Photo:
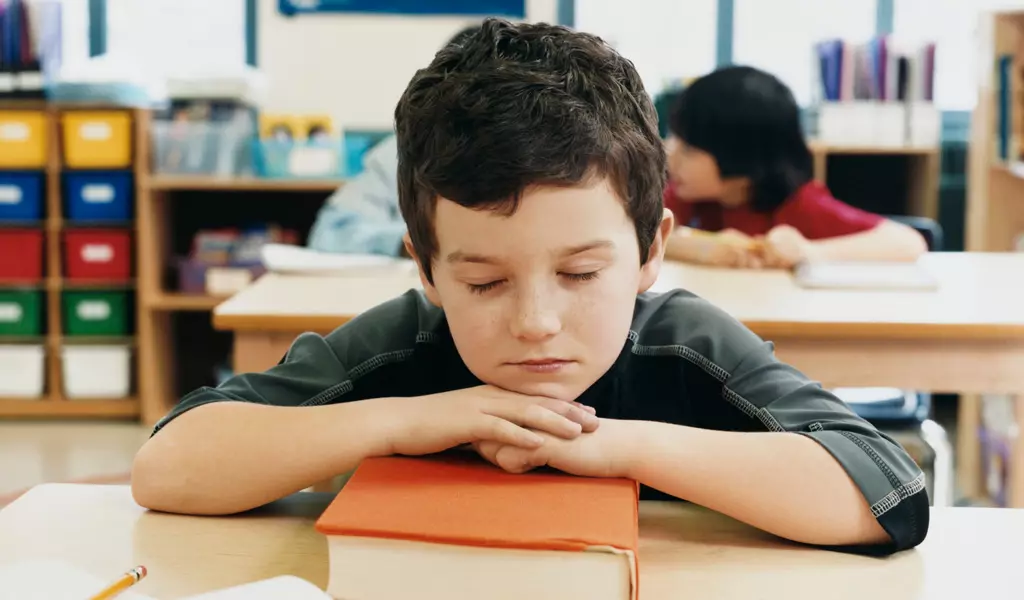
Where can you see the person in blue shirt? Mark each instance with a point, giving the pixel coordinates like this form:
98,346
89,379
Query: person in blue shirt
362,216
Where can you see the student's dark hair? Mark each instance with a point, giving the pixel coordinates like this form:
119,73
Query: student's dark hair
463,34
749,122
517,105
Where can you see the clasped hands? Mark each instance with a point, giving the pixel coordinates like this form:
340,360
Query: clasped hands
781,248
513,431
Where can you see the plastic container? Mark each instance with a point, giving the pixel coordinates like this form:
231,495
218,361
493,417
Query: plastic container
21,312
97,139
221,149
100,371
95,313
98,196
21,196
21,370
92,254
308,160
21,255
22,139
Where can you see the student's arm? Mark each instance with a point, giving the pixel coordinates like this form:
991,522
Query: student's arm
261,436
362,217
728,248
885,242
810,470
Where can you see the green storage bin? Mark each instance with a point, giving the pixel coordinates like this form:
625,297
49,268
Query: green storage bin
96,313
21,312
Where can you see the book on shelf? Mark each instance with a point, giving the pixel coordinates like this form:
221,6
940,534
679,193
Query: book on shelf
456,527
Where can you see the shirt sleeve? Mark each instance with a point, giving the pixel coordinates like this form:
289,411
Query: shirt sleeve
362,217
783,399
818,215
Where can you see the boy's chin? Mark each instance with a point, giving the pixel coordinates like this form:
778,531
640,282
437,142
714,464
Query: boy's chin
568,391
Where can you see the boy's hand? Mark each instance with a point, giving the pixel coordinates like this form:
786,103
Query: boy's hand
785,247
605,452
434,423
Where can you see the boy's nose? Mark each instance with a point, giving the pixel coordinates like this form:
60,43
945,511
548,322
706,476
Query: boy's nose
535,320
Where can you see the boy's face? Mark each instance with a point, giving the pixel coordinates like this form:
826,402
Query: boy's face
693,173
541,302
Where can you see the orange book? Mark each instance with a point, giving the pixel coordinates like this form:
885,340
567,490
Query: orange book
453,526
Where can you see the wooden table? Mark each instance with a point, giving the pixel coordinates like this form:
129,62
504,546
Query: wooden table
685,551
967,337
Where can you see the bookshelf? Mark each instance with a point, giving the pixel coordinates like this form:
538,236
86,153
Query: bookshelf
57,281
995,192
178,348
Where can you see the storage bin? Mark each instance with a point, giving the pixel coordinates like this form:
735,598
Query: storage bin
100,371
223,149
22,139
97,139
97,254
21,312
283,159
21,370
21,255
21,196
95,313
98,196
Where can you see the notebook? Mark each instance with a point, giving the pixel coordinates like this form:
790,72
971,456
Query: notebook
454,527
865,276
58,580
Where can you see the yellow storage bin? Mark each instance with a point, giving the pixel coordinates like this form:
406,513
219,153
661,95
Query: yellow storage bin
97,140
22,139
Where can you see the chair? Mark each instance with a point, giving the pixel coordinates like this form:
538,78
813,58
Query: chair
904,414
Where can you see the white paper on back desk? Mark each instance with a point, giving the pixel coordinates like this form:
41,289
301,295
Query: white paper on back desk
285,258
58,580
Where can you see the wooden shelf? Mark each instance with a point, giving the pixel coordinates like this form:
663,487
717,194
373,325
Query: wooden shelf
60,408
176,301
56,284
246,184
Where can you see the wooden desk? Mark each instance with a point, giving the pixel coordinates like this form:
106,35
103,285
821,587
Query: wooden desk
967,337
685,551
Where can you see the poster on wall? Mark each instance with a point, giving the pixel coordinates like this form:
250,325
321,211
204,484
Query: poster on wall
499,8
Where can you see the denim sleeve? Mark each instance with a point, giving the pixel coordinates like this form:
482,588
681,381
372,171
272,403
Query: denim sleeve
362,217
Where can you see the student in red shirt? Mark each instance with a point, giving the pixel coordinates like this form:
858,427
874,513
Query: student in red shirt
739,166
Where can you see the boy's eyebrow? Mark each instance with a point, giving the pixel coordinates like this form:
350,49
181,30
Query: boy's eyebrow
466,257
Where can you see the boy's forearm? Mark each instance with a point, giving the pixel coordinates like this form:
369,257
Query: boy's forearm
889,241
783,483
227,457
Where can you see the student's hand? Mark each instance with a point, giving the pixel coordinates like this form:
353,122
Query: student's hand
785,247
732,248
603,453
434,423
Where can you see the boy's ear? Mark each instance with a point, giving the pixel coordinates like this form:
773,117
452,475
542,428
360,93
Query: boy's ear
428,288
656,255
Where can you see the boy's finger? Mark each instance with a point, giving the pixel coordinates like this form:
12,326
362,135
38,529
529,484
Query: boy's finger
551,418
573,412
492,428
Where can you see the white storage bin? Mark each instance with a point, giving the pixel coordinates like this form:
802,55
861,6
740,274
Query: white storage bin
96,371
21,371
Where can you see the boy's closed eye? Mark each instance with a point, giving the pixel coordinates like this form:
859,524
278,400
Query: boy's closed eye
482,288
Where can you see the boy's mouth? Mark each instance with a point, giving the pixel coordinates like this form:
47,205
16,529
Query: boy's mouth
543,365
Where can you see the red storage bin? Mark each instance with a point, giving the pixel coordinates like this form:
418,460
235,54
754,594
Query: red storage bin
97,254
21,255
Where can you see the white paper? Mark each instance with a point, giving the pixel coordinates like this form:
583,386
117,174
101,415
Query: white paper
58,580
284,258
54,580
865,276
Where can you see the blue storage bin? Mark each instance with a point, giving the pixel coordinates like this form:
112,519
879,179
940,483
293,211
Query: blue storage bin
98,195
309,160
21,196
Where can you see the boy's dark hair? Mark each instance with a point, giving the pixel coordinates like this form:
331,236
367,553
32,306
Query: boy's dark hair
749,122
463,34
513,106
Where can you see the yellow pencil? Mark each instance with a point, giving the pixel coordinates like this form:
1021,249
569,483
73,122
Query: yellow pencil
126,581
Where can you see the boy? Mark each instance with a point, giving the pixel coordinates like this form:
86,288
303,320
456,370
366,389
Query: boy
531,176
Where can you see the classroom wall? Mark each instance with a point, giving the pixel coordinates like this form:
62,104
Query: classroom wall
356,66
